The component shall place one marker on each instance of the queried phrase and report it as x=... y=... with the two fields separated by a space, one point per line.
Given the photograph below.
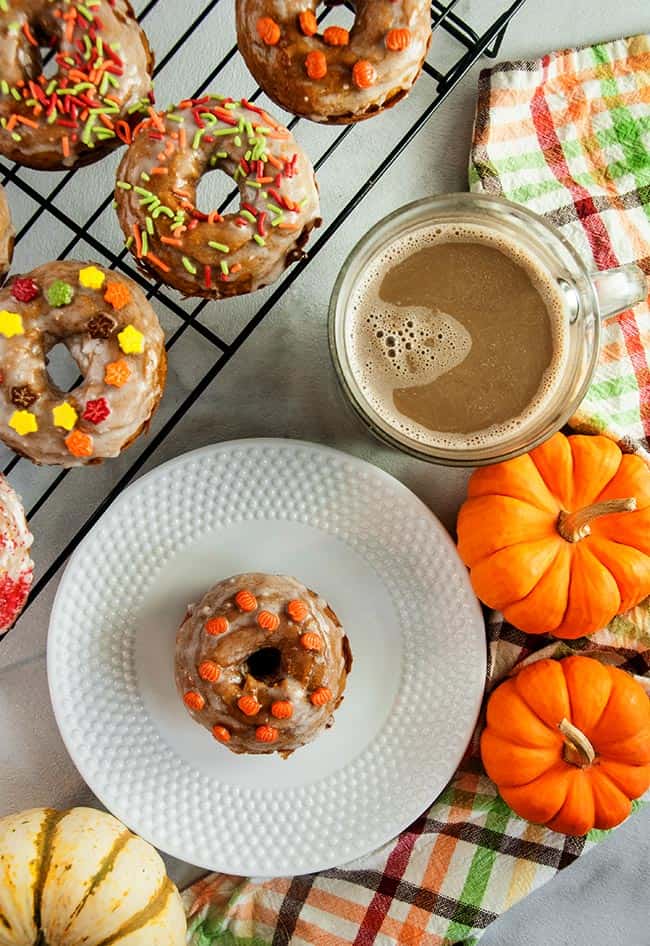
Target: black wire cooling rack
x=462 y=45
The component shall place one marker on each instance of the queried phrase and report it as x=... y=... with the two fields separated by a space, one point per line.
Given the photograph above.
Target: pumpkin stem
x=577 y=748
x=574 y=526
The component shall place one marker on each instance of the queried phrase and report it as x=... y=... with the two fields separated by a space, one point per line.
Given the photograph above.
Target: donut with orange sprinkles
x=100 y=88
x=327 y=72
x=244 y=673
x=16 y=566
x=113 y=335
x=210 y=252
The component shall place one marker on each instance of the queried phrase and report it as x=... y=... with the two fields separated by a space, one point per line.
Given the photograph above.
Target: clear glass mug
x=590 y=297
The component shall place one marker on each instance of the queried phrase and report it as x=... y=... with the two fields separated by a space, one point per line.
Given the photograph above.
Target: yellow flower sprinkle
x=64 y=415
x=91 y=277
x=11 y=323
x=131 y=340
x=23 y=422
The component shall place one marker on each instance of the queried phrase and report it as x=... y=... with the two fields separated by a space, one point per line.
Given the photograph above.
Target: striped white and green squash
x=80 y=878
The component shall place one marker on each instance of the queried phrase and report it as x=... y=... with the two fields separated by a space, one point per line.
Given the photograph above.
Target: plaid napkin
x=569 y=137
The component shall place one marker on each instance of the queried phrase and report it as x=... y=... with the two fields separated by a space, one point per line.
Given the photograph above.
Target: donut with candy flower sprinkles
x=115 y=338
x=99 y=92
x=334 y=75
x=213 y=254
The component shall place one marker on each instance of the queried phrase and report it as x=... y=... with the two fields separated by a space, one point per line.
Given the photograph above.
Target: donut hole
x=62 y=369
x=213 y=190
x=265 y=665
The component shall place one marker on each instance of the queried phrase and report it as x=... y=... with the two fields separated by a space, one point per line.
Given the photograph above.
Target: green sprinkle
x=247 y=156
x=134 y=108
x=259 y=240
x=60 y=293
x=88 y=129
x=162 y=210
x=175 y=118
x=14 y=27
x=85 y=12
x=238 y=172
x=231 y=105
x=128 y=243
x=247 y=215
x=124 y=185
x=143 y=192
x=53 y=117
x=148 y=222
x=89 y=47
x=274 y=208
x=237 y=141
x=16 y=136
x=51 y=87
x=263 y=130
x=4 y=85
x=197 y=138
x=189 y=266
x=253 y=184
x=4 y=6
x=222 y=247
x=144 y=237
x=225 y=269
x=277 y=220
x=145 y=176
x=114 y=205
x=16 y=94
x=221 y=154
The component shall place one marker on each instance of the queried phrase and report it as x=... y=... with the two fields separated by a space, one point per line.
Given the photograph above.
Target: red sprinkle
x=97 y=411
x=24 y=289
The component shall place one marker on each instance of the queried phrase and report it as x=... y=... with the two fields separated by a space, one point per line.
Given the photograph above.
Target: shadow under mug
x=589 y=298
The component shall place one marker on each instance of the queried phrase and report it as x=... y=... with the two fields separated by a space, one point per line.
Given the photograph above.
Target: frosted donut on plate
x=332 y=74
x=262 y=662
x=16 y=566
x=6 y=236
x=206 y=253
x=114 y=336
x=98 y=91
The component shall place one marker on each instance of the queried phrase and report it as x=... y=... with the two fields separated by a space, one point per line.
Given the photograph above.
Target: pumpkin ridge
x=5 y=922
x=44 y=848
x=544 y=573
x=154 y=907
x=514 y=545
x=106 y=866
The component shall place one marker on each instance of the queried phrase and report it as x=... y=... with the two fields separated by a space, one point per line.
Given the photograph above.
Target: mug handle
x=620 y=289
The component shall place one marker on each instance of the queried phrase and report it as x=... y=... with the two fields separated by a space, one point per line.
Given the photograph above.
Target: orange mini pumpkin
x=568 y=743
x=552 y=539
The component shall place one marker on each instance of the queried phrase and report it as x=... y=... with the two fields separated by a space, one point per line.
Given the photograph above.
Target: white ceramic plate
x=391 y=573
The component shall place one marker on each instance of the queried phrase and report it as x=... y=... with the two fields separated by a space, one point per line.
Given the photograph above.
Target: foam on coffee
x=391 y=347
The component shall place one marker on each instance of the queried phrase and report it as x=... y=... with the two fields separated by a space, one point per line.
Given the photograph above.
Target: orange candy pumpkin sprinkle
x=221 y=734
x=297 y=610
x=268 y=621
x=209 y=670
x=364 y=74
x=266 y=734
x=246 y=600
x=268 y=31
x=79 y=444
x=308 y=23
x=397 y=40
x=216 y=626
x=282 y=709
x=316 y=64
x=194 y=701
x=336 y=36
x=311 y=642
x=117 y=294
x=117 y=373
x=248 y=705
x=321 y=696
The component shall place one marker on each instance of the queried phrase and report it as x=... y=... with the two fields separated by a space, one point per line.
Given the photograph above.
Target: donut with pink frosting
x=16 y=566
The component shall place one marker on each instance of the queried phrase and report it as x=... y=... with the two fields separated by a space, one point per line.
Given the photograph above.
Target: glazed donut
x=262 y=662
x=206 y=254
x=101 y=88
x=6 y=236
x=115 y=338
x=16 y=566
x=337 y=76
